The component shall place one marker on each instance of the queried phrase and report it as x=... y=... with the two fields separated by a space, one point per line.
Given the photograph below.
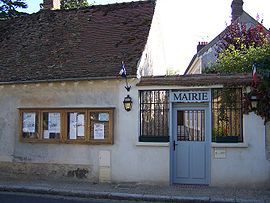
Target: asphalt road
x=11 y=197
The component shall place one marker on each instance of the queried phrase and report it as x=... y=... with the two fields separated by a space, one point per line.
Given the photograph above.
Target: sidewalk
x=138 y=192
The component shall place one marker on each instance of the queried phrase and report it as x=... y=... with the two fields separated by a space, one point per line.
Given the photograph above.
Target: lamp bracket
x=128 y=88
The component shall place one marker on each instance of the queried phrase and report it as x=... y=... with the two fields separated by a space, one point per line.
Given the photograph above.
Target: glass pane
x=154 y=109
x=29 y=124
x=76 y=127
x=227 y=115
x=99 y=125
x=191 y=125
x=51 y=125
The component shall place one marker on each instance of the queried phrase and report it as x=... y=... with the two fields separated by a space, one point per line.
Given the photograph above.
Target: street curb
x=121 y=196
x=105 y=195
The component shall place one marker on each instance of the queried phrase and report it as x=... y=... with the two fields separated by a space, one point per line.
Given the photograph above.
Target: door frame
x=174 y=106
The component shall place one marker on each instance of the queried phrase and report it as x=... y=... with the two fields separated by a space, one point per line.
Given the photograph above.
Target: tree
x=241 y=49
x=71 y=4
x=242 y=37
x=233 y=60
x=8 y=8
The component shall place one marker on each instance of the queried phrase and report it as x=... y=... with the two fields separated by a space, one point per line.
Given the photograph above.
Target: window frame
x=111 y=127
x=42 y=124
x=65 y=123
x=21 y=125
x=63 y=138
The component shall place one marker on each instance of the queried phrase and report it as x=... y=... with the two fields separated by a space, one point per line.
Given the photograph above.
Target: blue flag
x=123 y=71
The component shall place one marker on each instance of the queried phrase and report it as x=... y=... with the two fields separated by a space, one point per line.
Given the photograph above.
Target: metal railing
x=154 y=113
x=227 y=114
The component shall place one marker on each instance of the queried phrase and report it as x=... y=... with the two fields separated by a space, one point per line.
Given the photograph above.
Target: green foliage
x=8 y=8
x=262 y=92
x=233 y=60
x=241 y=49
x=71 y=4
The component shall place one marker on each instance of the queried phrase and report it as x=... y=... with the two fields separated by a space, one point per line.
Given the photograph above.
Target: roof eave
x=64 y=80
x=198 y=80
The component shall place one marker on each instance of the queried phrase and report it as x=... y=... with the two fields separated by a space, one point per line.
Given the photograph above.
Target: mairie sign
x=190 y=96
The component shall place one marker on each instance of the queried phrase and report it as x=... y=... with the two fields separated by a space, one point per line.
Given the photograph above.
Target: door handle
x=174 y=144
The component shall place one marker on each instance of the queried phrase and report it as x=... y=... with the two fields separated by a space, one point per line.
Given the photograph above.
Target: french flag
x=254 y=75
x=123 y=71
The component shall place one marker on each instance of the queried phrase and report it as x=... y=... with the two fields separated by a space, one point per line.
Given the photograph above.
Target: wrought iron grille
x=227 y=115
x=154 y=112
x=191 y=125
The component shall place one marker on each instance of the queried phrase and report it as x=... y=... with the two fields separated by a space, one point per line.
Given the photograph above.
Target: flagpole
x=254 y=76
x=125 y=75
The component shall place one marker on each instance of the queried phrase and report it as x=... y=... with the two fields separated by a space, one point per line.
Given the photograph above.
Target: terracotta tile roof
x=80 y=43
x=197 y=80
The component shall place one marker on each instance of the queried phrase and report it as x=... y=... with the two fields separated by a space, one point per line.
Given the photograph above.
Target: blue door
x=191 y=145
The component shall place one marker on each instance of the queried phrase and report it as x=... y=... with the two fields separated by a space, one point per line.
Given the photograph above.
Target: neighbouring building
x=207 y=53
x=63 y=115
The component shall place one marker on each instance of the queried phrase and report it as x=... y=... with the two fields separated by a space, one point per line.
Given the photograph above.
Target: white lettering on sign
x=190 y=96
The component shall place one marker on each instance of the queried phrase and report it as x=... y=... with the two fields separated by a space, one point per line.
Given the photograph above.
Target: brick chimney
x=51 y=4
x=201 y=45
x=237 y=9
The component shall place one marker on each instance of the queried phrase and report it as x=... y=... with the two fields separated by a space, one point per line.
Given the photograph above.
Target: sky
x=185 y=23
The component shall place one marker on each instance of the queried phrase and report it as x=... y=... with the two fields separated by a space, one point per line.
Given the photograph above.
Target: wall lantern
x=127 y=103
x=253 y=101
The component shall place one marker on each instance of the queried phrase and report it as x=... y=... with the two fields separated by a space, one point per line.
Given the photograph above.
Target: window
x=154 y=111
x=85 y=126
x=227 y=115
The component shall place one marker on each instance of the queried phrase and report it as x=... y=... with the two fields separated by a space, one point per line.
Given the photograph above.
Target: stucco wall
x=244 y=164
x=195 y=68
x=153 y=60
x=267 y=140
x=128 y=163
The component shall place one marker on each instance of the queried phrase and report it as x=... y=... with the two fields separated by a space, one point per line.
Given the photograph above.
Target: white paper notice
x=72 y=126
x=29 y=122
x=54 y=123
x=103 y=117
x=46 y=134
x=98 y=131
x=80 y=125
